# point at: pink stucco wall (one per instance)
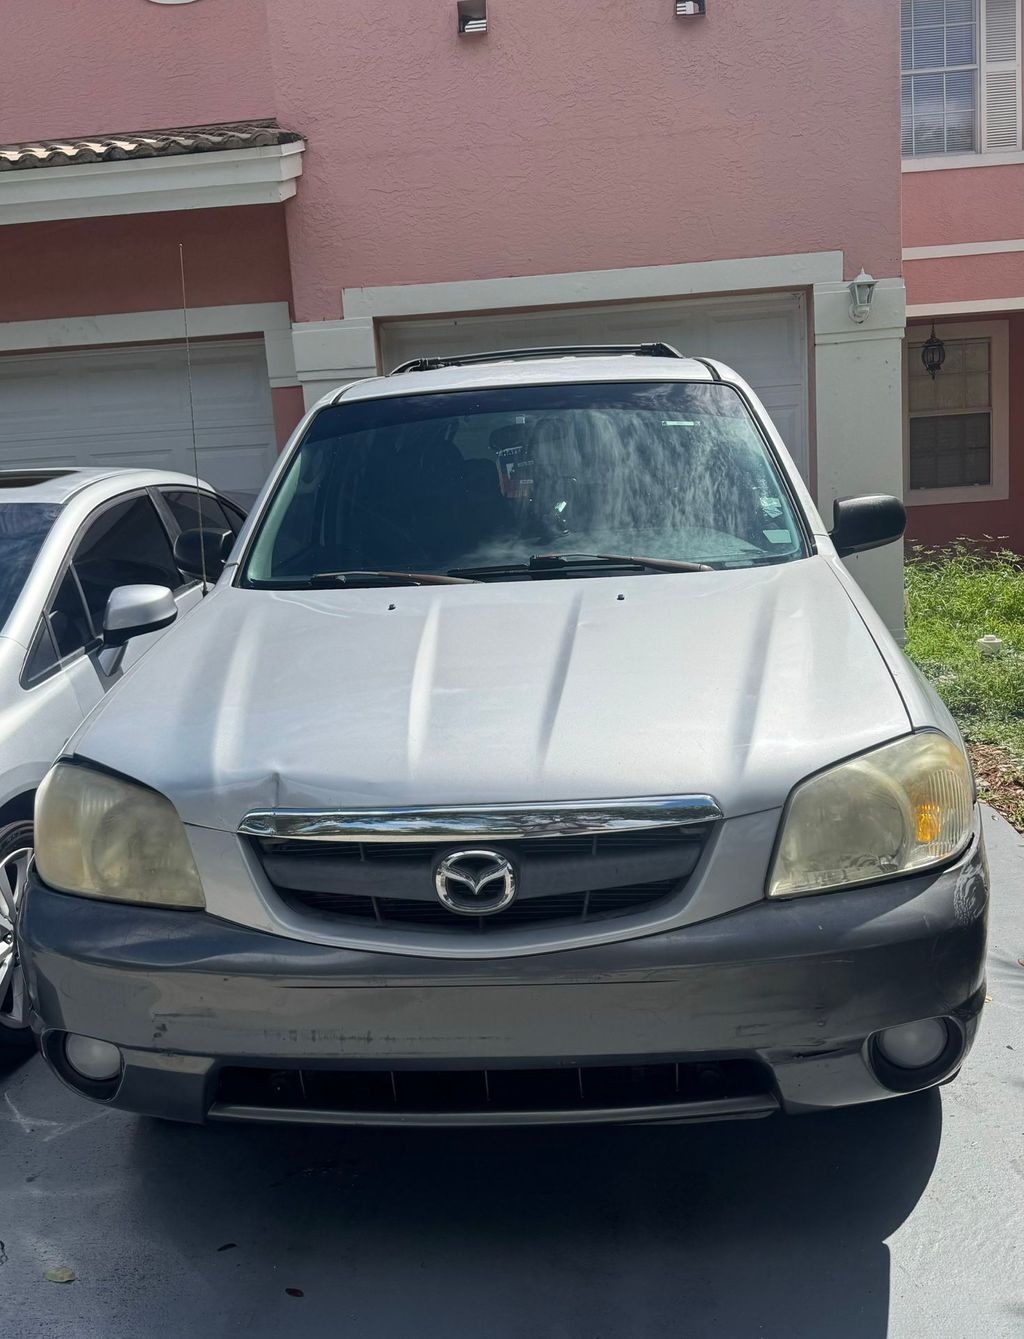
(966, 278)
(90, 267)
(950, 207)
(573, 136)
(978, 204)
(79, 67)
(583, 136)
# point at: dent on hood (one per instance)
(733, 684)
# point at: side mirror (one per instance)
(192, 546)
(860, 523)
(134, 610)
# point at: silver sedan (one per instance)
(68, 538)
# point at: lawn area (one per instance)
(954, 597)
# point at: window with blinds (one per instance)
(951, 417)
(961, 90)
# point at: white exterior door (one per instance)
(763, 338)
(130, 407)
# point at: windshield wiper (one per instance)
(551, 564)
(384, 579)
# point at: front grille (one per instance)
(566, 907)
(561, 880)
(465, 1091)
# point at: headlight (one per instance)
(895, 810)
(103, 837)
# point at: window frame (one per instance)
(976, 66)
(998, 489)
(979, 156)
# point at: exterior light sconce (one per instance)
(862, 291)
(472, 17)
(933, 354)
(690, 9)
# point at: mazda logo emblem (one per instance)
(475, 883)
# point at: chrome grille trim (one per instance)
(486, 822)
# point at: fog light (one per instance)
(95, 1060)
(914, 1045)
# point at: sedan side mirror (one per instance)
(860, 523)
(135, 610)
(193, 546)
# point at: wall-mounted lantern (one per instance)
(690, 9)
(933, 354)
(472, 17)
(862, 291)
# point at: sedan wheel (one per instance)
(15, 855)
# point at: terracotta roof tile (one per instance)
(144, 144)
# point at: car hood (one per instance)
(735, 684)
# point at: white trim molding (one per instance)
(962, 249)
(269, 319)
(975, 307)
(331, 353)
(856, 385)
(260, 176)
(590, 286)
(998, 335)
(947, 162)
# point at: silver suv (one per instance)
(534, 758)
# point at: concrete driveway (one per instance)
(904, 1219)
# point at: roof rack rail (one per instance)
(656, 350)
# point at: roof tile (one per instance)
(145, 144)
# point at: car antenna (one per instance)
(192, 416)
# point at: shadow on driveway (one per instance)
(770, 1228)
(11, 1059)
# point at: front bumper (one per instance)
(203, 1010)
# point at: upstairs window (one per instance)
(961, 90)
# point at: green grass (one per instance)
(955, 596)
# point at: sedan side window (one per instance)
(42, 657)
(64, 630)
(68, 619)
(126, 545)
(214, 515)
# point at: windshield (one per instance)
(23, 527)
(463, 480)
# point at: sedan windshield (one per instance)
(23, 527)
(527, 483)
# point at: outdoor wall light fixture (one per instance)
(689, 9)
(933, 354)
(472, 17)
(862, 291)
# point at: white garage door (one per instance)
(763, 338)
(130, 407)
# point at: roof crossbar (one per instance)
(655, 350)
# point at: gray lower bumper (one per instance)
(795, 986)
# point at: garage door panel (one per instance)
(28, 457)
(130, 407)
(229, 389)
(232, 461)
(764, 338)
(786, 418)
(767, 346)
(147, 460)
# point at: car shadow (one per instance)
(12, 1059)
(772, 1228)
